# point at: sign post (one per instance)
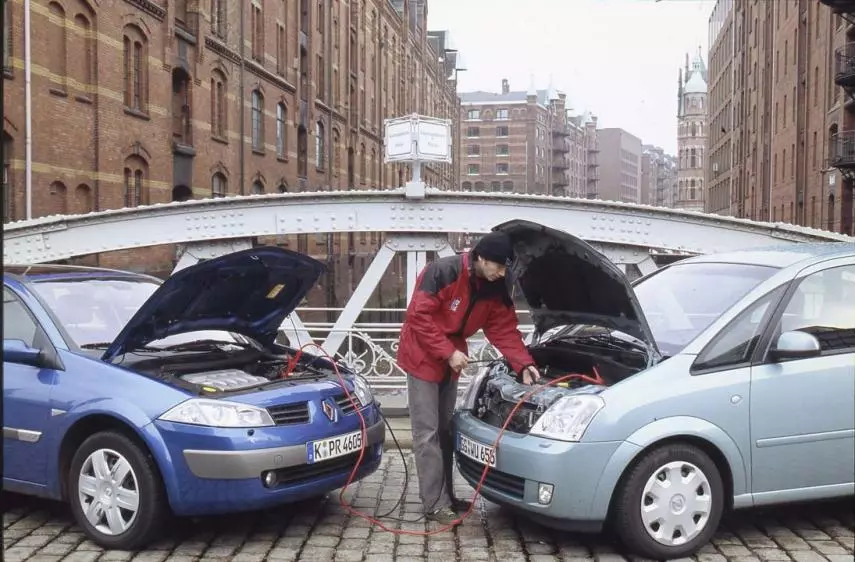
(417, 139)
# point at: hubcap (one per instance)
(108, 492)
(676, 503)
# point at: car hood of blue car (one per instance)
(249, 292)
(566, 282)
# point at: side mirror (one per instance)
(16, 351)
(795, 345)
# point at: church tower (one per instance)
(691, 134)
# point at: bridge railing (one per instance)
(371, 348)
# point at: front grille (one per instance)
(289, 414)
(503, 482)
(306, 472)
(343, 402)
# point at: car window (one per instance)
(823, 305)
(736, 342)
(18, 324)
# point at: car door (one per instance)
(26, 398)
(803, 408)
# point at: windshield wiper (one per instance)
(95, 345)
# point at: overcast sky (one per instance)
(616, 58)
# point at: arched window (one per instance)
(281, 131)
(466, 186)
(257, 121)
(136, 68)
(257, 187)
(136, 174)
(7, 175)
(320, 145)
(219, 123)
(282, 187)
(181, 107)
(219, 185)
(181, 193)
(219, 18)
(508, 186)
(82, 202)
(82, 43)
(57, 46)
(58, 198)
(362, 162)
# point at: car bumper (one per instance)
(524, 462)
(226, 474)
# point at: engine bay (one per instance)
(216, 371)
(602, 363)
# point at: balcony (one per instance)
(844, 66)
(561, 163)
(840, 6)
(842, 151)
(561, 131)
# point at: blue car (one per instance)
(131, 398)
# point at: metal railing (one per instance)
(371, 348)
(842, 149)
(844, 64)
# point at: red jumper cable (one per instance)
(596, 379)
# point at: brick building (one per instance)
(692, 131)
(658, 177)
(148, 101)
(620, 165)
(782, 117)
(524, 142)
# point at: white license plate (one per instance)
(476, 451)
(332, 447)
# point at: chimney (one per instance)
(506, 87)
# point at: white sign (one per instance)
(418, 138)
(399, 140)
(434, 141)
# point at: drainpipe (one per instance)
(328, 134)
(241, 100)
(28, 111)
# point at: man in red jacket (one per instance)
(455, 297)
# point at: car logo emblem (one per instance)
(329, 410)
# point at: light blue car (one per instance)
(729, 383)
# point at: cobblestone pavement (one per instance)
(42, 531)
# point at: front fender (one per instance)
(129, 415)
(660, 430)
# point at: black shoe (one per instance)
(444, 516)
(460, 506)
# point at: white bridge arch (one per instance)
(627, 233)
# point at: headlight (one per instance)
(467, 400)
(568, 418)
(362, 390)
(218, 413)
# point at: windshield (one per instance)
(94, 311)
(682, 300)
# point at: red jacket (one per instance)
(434, 325)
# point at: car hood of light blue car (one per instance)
(249, 292)
(566, 282)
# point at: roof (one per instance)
(481, 96)
(43, 272)
(696, 84)
(780, 256)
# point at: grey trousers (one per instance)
(431, 407)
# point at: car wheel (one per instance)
(115, 492)
(670, 503)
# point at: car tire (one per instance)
(108, 472)
(674, 489)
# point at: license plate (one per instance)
(476, 451)
(332, 447)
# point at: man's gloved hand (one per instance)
(530, 375)
(458, 360)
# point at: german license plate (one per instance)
(332, 447)
(476, 451)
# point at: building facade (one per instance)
(779, 130)
(148, 101)
(692, 133)
(620, 166)
(523, 142)
(658, 177)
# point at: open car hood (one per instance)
(249, 292)
(567, 282)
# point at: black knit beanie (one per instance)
(496, 247)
